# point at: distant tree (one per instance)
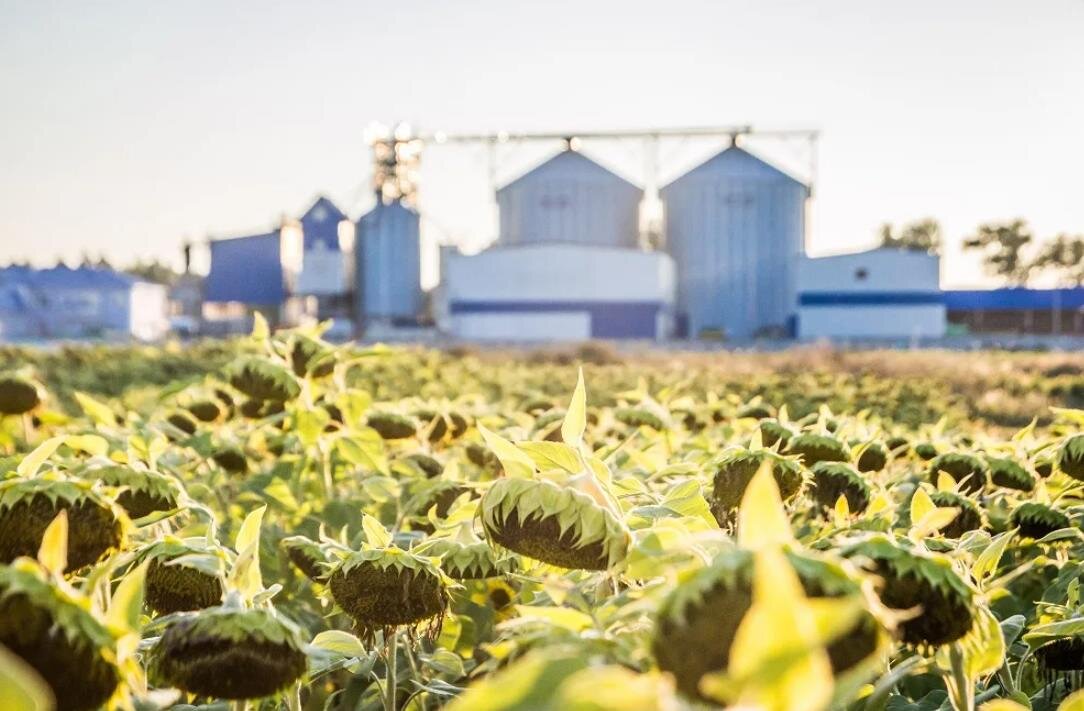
(1064, 256)
(919, 236)
(1002, 247)
(152, 271)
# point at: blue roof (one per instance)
(247, 270)
(1015, 299)
(320, 223)
(64, 277)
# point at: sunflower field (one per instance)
(279, 523)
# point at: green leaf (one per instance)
(553, 455)
(364, 451)
(340, 643)
(985, 564)
(21, 689)
(921, 505)
(311, 424)
(1074, 702)
(983, 647)
(93, 445)
(933, 521)
(97, 411)
(127, 601)
(260, 330)
(563, 617)
(516, 463)
(246, 574)
(32, 462)
(53, 553)
(375, 534)
(526, 684)
(762, 520)
(576, 418)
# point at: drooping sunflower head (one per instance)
(812, 448)
(969, 471)
(1036, 520)
(773, 431)
(874, 458)
(96, 526)
(229, 653)
(54, 632)
(736, 468)
(262, 380)
(145, 491)
(640, 416)
(758, 410)
(553, 524)
(429, 465)
(310, 356)
(912, 578)
(231, 458)
(925, 451)
(383, 588)
(183, 574)
(392, 425)
(1071, 457)
(968, 519)
(696, 623)
(310, 557)
(208, 409)
(19, 394)
(184, 422)
(466, 561)
(1009, 474)
(834, 479)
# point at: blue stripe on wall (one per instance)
(1015, 299)
(609, 319)
(873, 298)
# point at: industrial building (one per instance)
(878, 294)
(85, 302)
(388, 265)
(1018, 310)
(557, 292)
(735, 226)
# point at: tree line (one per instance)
(1004, 248)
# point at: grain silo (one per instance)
(735, 226)
(388, 269)
(572, 199)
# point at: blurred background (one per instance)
(708, 172)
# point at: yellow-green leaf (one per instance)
(32, 462)
(762, 520)
(576, 418)
(945, 482)
(246, 569)
(260, 330)
(375, 534)
(53, 553)
(1074, 702)
(339, 642)
(985, 564)
(921, 505)
(127, 601)
(91, 444)
(97, 411)
(564, 617)
(933, 521)
(21, 689)
(1002, 705)
(553, 455)
(516, 463)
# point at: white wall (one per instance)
(559, 273)
(148, 311)
(857, 322)
(885, 269)
(551, 326)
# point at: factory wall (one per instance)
(879, 294)
(570, 199)
(736, 228)
(558, 292)
(388, 269)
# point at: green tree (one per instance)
(920, 236)
(152, 271)
(1064, 256)
(1002, 245)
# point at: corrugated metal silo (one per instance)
(735, 226)
(570, 198)
(388, 253)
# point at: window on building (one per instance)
(861, 274)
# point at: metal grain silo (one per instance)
(388, 268)
(570, 198)
(735, 226)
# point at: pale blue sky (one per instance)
(126, 126)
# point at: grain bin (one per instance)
(735, 226)
(571, 199)
(388, 268)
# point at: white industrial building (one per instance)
(557, 292)
(86, 302)
(879, 294)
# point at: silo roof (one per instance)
(570, 159)
(321, 223)
(738, 163)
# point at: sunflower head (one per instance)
(229, 653)
(145, 491)
(834, 479)
(392, 425)
(1071, 457)
(913, 578)
(466, 561)
(969, 471)
(553, 524)
(1036, 520)
(873, 458)
(968, 519)
(308, 556)
(310, 356)
(53, 631)
(1009, 474)
(812, 448)
(261, 379)
(774, 432)
(96, 527)
(183, 574)
(19, 394)
(925, 451)
(734, 471)
(231, 458)
(639, 417)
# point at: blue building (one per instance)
(1018, 310)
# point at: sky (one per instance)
(128, 127)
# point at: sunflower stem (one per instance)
(391, 678)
